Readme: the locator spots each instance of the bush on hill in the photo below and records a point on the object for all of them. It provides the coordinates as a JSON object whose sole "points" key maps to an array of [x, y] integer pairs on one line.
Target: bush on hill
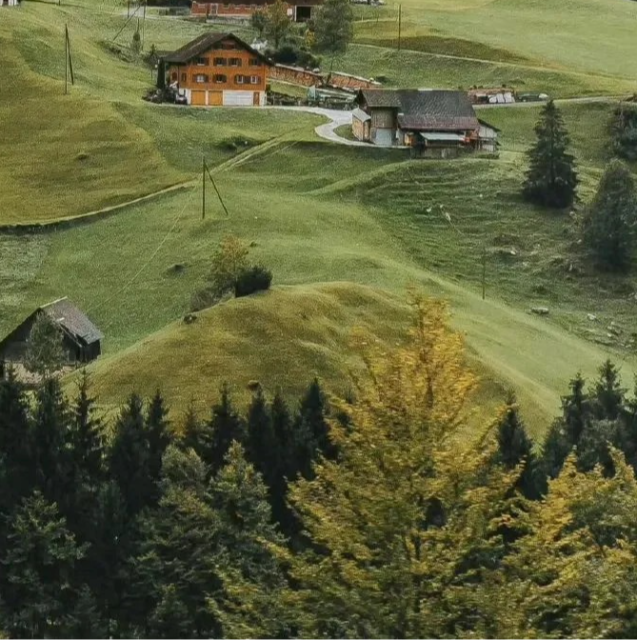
{"points": [[256, 278]]}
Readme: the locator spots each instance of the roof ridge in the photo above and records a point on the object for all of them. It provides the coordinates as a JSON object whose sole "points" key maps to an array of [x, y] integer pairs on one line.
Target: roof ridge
{"points": [[49, 304]]}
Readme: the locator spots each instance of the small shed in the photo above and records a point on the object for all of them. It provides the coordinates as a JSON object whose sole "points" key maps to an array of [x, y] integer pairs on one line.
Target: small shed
{"points": [[488, 137], [9, 3], [82, 340]]}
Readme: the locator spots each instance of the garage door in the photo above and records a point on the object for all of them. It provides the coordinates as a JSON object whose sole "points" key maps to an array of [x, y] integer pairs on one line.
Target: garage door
{"points": [[238, 98], [215, 98], [198, 98], [384, 137]]}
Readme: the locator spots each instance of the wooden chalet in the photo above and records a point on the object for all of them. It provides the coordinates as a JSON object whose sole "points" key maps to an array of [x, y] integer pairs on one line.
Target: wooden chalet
{"points": [[81, 338], [297, 10], [435, 123], [218, 69]]}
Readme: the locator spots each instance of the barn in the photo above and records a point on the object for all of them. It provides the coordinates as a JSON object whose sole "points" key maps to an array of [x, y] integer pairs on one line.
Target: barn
{"points": [[435, 123], [82, 340]]}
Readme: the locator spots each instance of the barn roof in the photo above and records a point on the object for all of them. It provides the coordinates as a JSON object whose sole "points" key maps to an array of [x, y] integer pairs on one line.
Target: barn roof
{"points": [[425, 109], [71, 319], [203, 43]]}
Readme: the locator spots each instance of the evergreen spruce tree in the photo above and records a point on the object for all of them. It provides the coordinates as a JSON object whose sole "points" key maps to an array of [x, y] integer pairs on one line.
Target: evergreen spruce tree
{"points": [[85, 620], [284, 460], [249, 537], [515, 447], [226, 426], [17, 466], [170, 617], [608, 394], [551, 178], [50, 439], [39, 589], [565, 432], [610, 222], [158, 435], [176, 561], [313, 412], [262, 449], [129, 458], [194, 433]]}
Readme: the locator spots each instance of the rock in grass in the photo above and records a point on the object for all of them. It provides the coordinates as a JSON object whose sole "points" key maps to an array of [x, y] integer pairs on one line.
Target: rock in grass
{"points": [[592, 317], [190, 318], [540, 311]]}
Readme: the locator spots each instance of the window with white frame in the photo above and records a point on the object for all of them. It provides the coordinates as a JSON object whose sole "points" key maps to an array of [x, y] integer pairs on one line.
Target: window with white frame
{"points": [[201, 78], [255, 79]]}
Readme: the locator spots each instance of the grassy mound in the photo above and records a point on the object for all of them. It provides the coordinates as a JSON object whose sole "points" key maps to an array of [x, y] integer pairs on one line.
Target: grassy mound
{"points": [[282, 338]]}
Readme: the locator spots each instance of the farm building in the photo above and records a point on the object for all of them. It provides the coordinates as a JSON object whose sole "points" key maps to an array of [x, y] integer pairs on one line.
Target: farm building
{"points": [[218, 69], [297, 10], [81, 338], [9, 3], [435, 123], [492, 96]]}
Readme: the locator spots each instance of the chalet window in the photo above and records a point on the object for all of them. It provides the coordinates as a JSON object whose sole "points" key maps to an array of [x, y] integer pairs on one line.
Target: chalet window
{"points": [[220, 62], [220, 78], [202, 62], [174, 76], [229, 45], [255, 79], [201, 78], [254, 62], [235, 62], [240, 79]]}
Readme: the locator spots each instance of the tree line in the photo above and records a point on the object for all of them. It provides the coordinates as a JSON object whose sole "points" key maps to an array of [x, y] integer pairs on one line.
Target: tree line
{"points": [[376, 515]]}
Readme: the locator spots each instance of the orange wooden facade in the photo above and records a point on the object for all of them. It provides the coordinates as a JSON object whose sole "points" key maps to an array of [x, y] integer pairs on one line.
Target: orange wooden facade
{"points": [[228, 73]]}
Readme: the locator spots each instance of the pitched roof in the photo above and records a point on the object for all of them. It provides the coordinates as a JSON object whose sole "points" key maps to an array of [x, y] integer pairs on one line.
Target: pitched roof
{"points": [[74, 321], [425, 109], [203, 43]]}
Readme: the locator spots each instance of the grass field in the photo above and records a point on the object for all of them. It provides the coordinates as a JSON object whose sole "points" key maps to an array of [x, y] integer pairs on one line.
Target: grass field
{"points": [[345, 230]]}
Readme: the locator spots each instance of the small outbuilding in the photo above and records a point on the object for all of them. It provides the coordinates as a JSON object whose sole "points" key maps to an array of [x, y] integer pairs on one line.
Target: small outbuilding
{"points": [[9, 3], [82, 340]]}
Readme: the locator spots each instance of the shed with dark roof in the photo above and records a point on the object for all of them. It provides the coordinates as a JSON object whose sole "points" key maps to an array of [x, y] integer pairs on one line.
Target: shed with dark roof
{"points": [[401, 117], [82, 340]]}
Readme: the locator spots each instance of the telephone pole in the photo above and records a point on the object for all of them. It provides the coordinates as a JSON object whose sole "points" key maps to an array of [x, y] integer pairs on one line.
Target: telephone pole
{"points": [[204, 185], [399, 24], [484, 271], [66, 60]]}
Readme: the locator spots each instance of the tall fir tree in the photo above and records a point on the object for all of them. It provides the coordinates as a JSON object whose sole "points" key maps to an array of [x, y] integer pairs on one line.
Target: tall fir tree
{"points": [[261, 443], [40, 590], [194, 433], [249, 536], [17, 462], [608, 394], [129, 458], [226, 426], [609, 227], [176, 561], [516, 448], [565, 432], [551, 178], [158, 434], [50, 439]]}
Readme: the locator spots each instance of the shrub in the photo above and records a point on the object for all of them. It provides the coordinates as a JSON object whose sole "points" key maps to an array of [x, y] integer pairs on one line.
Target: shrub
{"points": [[256, 278]]}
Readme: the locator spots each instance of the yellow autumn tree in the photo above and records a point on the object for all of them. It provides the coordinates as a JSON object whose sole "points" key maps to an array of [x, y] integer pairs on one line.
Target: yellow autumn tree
{"points": [[408, 519], [573, 574]]}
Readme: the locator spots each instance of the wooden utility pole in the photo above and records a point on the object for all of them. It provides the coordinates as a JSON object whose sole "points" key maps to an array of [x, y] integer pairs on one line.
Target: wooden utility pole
{"points": [[66, 60], [399, 24], [484, 271], [144, 18], [68, 65], [204, 185]]}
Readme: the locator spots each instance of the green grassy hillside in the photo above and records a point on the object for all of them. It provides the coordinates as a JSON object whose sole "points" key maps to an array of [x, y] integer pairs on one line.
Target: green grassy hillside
{"points": [[315, 213], [282, 338]]}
